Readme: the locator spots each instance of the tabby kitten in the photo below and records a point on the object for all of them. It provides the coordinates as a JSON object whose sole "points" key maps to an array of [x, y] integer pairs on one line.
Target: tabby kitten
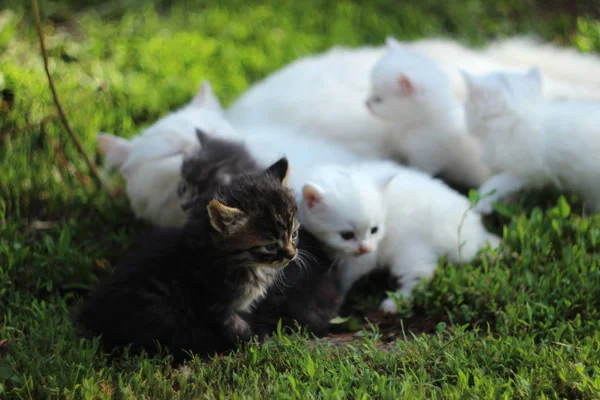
{"points": [[217, 162], [184, 288]]}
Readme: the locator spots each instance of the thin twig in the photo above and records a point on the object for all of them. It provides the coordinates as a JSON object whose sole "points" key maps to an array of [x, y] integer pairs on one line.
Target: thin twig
{"points": [[69, 168], [89, 162]]}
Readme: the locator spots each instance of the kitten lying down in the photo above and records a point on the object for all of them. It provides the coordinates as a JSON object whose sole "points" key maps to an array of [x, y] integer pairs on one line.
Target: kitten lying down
{"points": [[531, 142], [185, 288], [307, 294], [379, 214]]}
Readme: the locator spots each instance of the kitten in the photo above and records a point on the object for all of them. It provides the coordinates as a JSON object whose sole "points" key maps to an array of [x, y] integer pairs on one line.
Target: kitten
{"points": [[151, 162], [380, 214], [185, 287], [216, 162], [531, 142], [411, 92], [308, 294]]}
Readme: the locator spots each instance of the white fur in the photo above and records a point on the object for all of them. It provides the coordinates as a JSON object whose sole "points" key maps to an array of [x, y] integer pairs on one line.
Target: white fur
{"points": [[411, 92], [566, 65], [323, 95], [532, 142], [151, 162], [418, 219]]}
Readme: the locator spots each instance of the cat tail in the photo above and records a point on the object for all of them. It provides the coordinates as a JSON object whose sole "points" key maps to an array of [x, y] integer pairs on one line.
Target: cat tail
{"points": [[115, 150], [573, 69]]}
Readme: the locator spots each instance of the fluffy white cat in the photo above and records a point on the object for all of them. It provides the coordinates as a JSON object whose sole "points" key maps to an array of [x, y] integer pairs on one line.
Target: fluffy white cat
{"points": [[531, 142], [324, 94], [151, 162], [378, 213], [411, 92]]}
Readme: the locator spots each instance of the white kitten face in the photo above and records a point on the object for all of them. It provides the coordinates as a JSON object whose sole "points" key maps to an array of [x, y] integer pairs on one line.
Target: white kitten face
{"points": [[404, 84], [344, 211], [495, 96]]}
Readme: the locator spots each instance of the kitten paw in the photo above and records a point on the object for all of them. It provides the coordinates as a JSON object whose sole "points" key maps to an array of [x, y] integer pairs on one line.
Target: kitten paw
{"points": [[238, 328], [388, 306]]}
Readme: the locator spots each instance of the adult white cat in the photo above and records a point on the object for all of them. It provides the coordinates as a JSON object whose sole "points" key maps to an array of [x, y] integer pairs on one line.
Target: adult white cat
{"points": [[412, 93], [151, 162], [381, 214], [324, 95], [532, 142]]}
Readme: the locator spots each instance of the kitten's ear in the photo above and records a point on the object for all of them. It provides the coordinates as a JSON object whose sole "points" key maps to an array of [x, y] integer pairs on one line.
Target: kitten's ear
{"points": [[312, 195], [205, 97], [224, 219], [535, 75], [203, 138], [392, 43], [281, 170], [115, 149], [406, 85]]}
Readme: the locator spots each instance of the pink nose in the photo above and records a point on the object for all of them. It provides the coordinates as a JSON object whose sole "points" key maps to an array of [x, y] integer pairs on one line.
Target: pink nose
{"points": [[362, 249], [368, 104]]}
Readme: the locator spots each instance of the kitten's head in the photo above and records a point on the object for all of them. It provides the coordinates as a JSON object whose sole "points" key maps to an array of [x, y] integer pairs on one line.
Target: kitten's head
{"points": [[494, 96], [216, 162], [343, 208], [405, 84], [253, 219]]}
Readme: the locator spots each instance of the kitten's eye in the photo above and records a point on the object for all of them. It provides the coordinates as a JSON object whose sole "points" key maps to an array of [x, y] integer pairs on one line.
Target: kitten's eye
{"points": [[374, 230], [271, 247], [377, 99], [295, 234], [347, 235]]}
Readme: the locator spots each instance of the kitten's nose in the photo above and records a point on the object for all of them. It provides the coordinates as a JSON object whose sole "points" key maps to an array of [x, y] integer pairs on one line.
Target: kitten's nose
{"points": [[290, 252], [363, 248], [368, 104]]}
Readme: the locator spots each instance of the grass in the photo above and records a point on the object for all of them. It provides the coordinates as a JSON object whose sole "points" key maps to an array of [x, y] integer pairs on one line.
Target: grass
{"points": [[526, 325]]}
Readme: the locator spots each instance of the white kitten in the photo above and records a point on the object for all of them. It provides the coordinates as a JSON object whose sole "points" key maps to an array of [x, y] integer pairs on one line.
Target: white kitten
{"points": [[380, 214], [151, 161], [531, 142], [414, 94]]}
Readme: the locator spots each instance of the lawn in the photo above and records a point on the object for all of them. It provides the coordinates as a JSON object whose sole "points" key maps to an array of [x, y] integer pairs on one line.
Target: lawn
{"points": [[524, 325]]}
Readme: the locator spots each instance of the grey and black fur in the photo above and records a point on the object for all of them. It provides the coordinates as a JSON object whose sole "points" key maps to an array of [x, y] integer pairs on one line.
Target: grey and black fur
{"points": [[216, 163], [308, 294], [184, 288]]}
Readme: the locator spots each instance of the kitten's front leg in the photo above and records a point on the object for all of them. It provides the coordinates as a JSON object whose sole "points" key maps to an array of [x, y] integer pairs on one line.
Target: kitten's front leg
{"points": [[504, 184], [412, 263], [236, 328]]}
